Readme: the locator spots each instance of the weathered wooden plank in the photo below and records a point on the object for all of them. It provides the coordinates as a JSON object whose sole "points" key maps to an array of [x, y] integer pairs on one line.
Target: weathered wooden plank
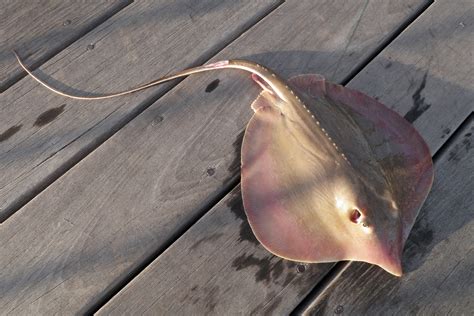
{"points": [[438, 259], [217, 266], [42, 135], [40, 30], [89, 230]]}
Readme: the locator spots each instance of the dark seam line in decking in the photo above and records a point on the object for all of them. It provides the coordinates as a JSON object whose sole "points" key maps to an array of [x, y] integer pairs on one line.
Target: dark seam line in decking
{"points": [[76, 158], [317, 293], [325, 283], [15, 78], [108, 294], [459, 130], [385, 43], [124, 280]]}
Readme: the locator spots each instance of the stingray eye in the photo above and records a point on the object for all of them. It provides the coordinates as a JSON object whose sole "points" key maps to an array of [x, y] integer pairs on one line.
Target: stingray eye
{"points": [[355, 216]]}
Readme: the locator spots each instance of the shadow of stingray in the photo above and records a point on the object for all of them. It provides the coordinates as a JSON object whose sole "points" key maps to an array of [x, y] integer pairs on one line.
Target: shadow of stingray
{"points": [[437, 221]]}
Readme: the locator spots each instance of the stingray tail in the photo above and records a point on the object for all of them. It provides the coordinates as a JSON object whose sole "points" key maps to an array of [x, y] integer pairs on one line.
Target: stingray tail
{"points": [[184, 73]]}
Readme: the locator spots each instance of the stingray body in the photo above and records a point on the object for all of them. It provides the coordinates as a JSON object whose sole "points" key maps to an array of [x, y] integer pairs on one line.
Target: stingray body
{"points": [[332, 174], [328, 173]]}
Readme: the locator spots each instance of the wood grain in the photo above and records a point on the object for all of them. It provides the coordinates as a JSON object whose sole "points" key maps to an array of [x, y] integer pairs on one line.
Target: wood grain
{"points": [[87, 232], [38, 31], [43, 134], [438, 257]]}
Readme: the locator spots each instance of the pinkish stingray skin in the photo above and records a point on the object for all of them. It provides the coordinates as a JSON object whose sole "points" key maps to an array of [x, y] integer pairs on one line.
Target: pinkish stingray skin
{"points": [[309, 162]]}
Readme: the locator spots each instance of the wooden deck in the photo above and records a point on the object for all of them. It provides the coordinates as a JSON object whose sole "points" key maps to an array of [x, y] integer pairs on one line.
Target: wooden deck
{"points": [[133, 205]]}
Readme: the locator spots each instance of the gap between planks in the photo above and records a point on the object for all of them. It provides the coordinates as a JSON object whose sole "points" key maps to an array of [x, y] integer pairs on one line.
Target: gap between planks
{"points": [[403, 26]]}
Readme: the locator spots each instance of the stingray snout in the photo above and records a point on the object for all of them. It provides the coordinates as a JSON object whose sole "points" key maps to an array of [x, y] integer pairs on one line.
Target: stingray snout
{"points": [[389, 258]]}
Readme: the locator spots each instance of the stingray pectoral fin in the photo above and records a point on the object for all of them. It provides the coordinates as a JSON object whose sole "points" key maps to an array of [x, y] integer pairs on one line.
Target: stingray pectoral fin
{"points": [[407, 162], [386, 256], [398, 148], [278, 190]]}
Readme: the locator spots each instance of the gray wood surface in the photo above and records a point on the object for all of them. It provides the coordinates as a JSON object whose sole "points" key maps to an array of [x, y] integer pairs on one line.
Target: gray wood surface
{"points": [[439, 256], [39, 30], [217, 266], [120, 205], [42, 134]]}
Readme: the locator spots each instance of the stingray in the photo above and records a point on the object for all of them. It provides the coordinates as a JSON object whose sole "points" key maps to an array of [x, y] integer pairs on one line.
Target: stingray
{"points": [[327, 172]]}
